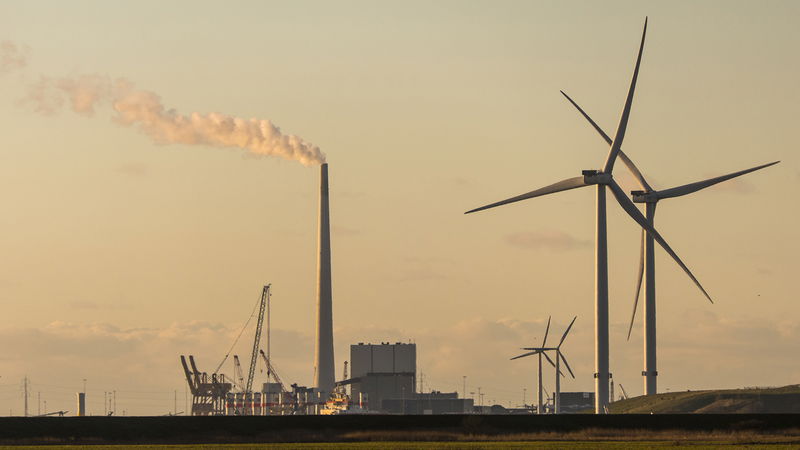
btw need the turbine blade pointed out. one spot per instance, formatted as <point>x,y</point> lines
<point>627,161</point>
<point>694,187</point>
<point>626,110</point>
<point>569,183</point>
<point>525,354</point>
<point>564,336</point>
<point>639,277</point>
<point>546,330</point>
<point>637,215</point>
<point>564,358</point>
<point>548,359</point>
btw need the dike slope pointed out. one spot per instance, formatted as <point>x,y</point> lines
<point>733,401</point>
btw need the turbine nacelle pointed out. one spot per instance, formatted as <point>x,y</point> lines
<point>644,196</point>
<point>596,177</point>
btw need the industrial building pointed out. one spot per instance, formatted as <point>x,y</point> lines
<point>383,371</point>
<point>385,375</point>
<point>430,403</point>
<point>576,401</point>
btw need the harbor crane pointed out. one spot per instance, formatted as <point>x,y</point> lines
<point>259,325</point>
<point>271,371</point>
<point>624,394</point>
<point>238,376</point>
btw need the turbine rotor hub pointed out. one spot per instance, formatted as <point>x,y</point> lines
<point>596,177</point>
<point>644,197</point>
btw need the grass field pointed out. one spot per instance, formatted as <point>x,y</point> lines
<point>408,432</point>
<point>770,400</point>
<point>585,439</point>
<point>443,445</point>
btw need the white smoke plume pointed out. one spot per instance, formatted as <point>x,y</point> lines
<point>12,56</point>
<point>145,110</point>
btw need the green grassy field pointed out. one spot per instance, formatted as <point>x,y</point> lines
<point>774,400</point>
<point>443,445</point>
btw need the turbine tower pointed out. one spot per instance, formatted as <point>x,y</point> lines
<point>647,270</point>
<point>559,357</point>
<point>323,356</point>
<point>601,179</point>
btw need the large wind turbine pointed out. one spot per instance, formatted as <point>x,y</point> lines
<point>647,270</point>
<point>540,352</point>
<point>557,365</point>
<point>601,179</point>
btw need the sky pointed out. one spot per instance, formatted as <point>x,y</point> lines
<point>127,242</point>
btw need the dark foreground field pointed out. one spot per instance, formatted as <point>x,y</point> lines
<point>472,431</point>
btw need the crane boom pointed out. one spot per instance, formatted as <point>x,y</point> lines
<point>257,341</point>
<point>624,394</point>
<point>238,376</point>
<point>271,370</point>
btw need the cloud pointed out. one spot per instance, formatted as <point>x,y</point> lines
<point>706,351</point>
<point>136,170</point>
<point>12,56</point>
<point>60,354</point>
<point>545,240</point>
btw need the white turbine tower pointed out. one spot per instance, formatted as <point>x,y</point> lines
<point>650,198</point>
<point>601,179</point>
<point>540,352</point>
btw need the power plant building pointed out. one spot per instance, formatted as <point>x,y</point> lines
<point>383,371</point>
<point>430,403</point>
<point>576,401</point>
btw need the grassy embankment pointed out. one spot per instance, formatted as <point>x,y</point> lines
<point>439,445</point>
<point>759,401</point>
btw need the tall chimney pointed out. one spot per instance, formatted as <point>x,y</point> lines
<point>323,356</point>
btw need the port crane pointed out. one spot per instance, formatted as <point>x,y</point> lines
<point>238,376</point>
<point>209,391</point>
<point>624,394</point>
<point>271,371</point>
<point>259,325</point>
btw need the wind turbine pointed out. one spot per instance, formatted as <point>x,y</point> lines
<point>601,179</point>
<point>540,352</point>
<point>557,365</point>
<point>650,198</point>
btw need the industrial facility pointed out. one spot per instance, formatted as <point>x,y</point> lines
<point>383,377</point>
<point>385,374</point>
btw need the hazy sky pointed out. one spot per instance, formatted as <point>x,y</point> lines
<point>120,253</point>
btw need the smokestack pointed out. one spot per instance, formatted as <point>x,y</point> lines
<point>323,356</point>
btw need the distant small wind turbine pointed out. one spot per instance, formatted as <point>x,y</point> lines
<point>540,352</point>
<point>559,357</point>
<point>650,198</point>
<point>601,179</point>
